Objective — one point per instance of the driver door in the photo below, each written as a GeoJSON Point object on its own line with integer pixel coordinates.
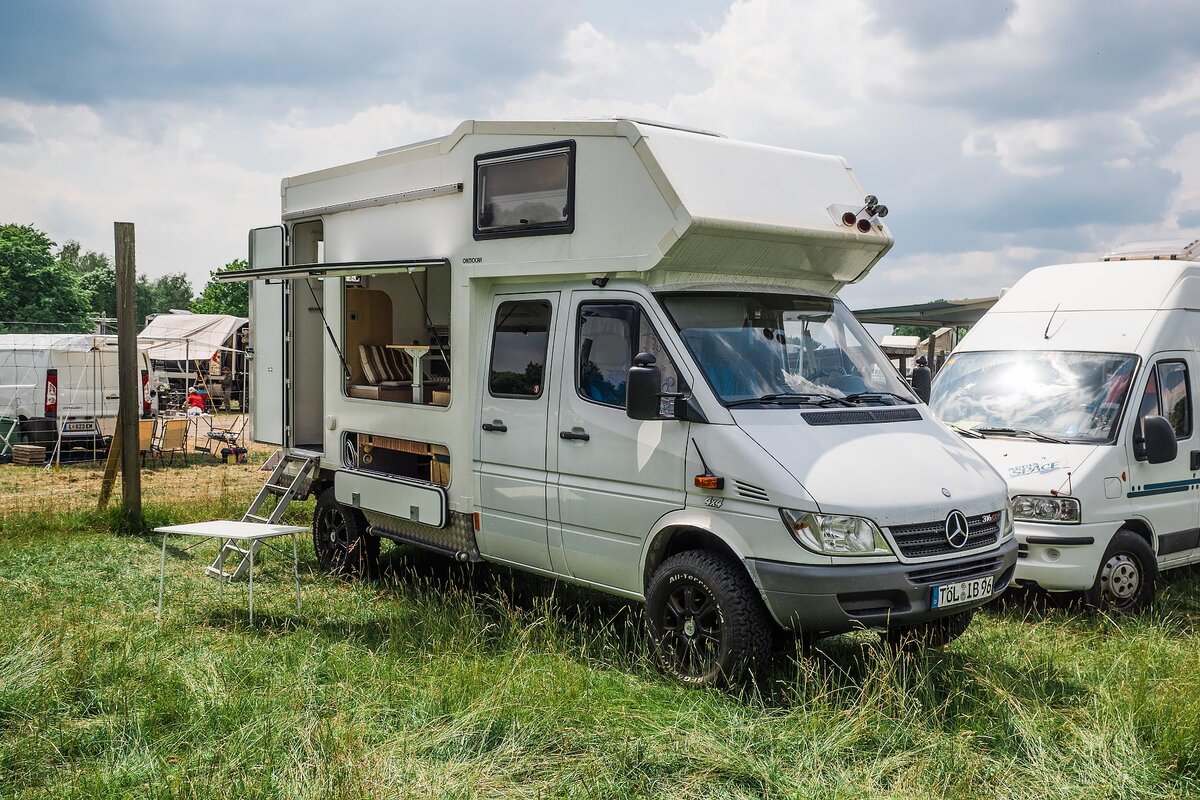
{"type": "Point", "coordinates": [1166, 495]}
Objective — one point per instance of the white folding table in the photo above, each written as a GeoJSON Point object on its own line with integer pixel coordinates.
{"type": "Point", "coordinates": [226, 530]}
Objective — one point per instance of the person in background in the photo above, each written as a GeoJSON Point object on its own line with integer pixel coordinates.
{"type": "Point", "coordinates": [195, 402]}
{"type": "Point", "coordinates": [922, 379]}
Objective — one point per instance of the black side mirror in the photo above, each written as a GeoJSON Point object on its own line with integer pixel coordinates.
{"type": "Point", "coordinates": [643, 387]}
{"type": "Point", "coordinates": [1155, 440]}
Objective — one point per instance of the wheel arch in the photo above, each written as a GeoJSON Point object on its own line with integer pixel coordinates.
{"type": "Point", "coordinates": [1141, 528]}
{"type": "Point", "coordinates": [685, 530]}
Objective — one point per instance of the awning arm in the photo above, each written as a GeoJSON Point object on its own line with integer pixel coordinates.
{"type": "Point", "coordinates": [332, 269]}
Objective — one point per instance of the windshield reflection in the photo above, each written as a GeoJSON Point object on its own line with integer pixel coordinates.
{"type": "Point", "coordinates": [763, 346]}
{"type": "Point", "coordinates": [1065, 395]}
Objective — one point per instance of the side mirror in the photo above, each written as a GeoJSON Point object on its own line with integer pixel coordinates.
{"type": "Point", "coordinates": [1155, 440]}
{"type": "Point", "coordinates": [643, 387]}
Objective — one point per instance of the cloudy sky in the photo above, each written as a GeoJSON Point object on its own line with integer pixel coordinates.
{"type": "Point", "coordinates": [1002, 135]}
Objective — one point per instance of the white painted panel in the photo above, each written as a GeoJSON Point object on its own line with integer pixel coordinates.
{"type": "Point", "coordinates": [410, 501]}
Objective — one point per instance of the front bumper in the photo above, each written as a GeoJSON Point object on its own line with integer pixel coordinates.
{"type": "Point", "coordinates": [833, 599]}
{"type": "Point", "coordinates": [1062, 558]}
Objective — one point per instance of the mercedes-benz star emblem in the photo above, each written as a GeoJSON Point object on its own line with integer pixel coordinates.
{"type": "Point", "coordinates": [957, 531]}
{"type": "Point", "coordinates": [945, 492]}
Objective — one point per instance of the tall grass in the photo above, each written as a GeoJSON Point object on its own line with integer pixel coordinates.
{"type": "Point", "coordinates": [440, 680]}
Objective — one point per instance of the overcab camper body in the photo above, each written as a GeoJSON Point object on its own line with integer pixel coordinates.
{"type": "Point", "coordinates": [610, 352]}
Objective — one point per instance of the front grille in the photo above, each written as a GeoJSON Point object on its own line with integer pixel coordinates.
{"type": "Point", "coordinates": [929, 538]}
{"type": "Point", "coordinates": [959, 571]}
{"type": "Point", "coordinates": [750, 491]}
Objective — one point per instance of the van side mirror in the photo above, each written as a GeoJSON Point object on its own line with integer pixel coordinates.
{"type": "Point", "coordinates": [1154, 441]}
{"type": "Point", "coordinates": [643, 389]}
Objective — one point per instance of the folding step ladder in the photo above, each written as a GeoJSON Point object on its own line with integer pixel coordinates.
{"type": "Point", "coordinates": [286, 481]}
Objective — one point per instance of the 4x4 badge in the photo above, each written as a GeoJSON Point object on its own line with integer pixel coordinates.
{"type": "Point", "coordinates": [957, 531]}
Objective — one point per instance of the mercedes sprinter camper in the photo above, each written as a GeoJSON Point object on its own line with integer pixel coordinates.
{"type": "Point", "coordinates": [1077, 386]}
{"type": "Point", "coordinates": [610, 352]}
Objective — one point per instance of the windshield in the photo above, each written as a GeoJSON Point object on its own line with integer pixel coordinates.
{"type": "Point", "coordinates": [758, 345]}
{"type": "Point", "coordinates": [1064, 395]}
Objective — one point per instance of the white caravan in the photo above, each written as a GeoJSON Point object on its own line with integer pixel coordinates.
{"type": "Point", "coordinates": [63, 383]}
{"type": "Point", "coordinates": [1076, 386]}
{"type": "Point", "coordinates": [609, 352]}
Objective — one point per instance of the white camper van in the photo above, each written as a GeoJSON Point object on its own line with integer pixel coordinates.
{"type": "Point", "coordinates": [610, 352]}
{"type": "Point", "coordinates": [63, 385]}
{"type": "Point", "coordinates": [1077, 386]}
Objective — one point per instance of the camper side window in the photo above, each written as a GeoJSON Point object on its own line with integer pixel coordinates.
{"type": "Point", "coordinates": [519, 341]}
{"type": "Point", "coordinates": [1168, 394]}
{"type": "Point", "coordinates": [529, 191]}
{"type": "Point", "coordinates": [608, 336]}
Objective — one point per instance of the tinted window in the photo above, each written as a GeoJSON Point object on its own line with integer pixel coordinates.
{"type": "Point", "coordinates": [525, 192]}
{"type": "Point", "coordinates": [519, 341]}
{"type": "Point", "coordinates": [608, 336]}
{"type": "Point", "coordinates": [1174, 400]}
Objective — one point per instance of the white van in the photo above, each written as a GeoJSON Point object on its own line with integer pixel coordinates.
{"type": "Point", "coordinates": [609, 352]}
{"type": "Point", "coordinates": [63, 384]}
{"type": "Point", "coordinates": [1077, 386]}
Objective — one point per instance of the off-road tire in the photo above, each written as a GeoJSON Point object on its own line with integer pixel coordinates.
{"type": "Point", "coordinates": [340, 538]}
{"type": "Point", "coordinates": [936, 633]}
{"type": "Point", "coordinates": [708, 620]}
{"type": "Point", "coordinates": [1125, 582]}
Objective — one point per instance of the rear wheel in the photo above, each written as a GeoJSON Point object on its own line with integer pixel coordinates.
{"type": "Point", "coordinates": [340, 538]}
{"type": "Point", "coordinates": [1125, 581]}
{"type": "Point", "coordinates": [936, 633]}
{"type": "Point", "coordinates": [708, 621]}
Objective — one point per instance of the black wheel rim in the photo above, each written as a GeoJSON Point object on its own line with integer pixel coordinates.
{"type": "Point", "coordinates": [691, 630]}
{"type": "Point", "coordinates": [333, 534]}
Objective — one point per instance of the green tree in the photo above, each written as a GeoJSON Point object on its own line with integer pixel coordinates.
{"type": "Point", "coordinates": [172, 290]}
{"type": "Point", "coordinates": [35, 287]}
{"type": "Point", "coordinates": [225, 298]}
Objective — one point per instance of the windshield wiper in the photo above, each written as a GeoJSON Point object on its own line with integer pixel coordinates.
{"type": "Point", "coordinates": [1041, 437]}
{"type": "Point", "coordinates": [970, 433]}
{"type": "Point", "coordinates": [810, 398]}
{"type": "Point", "coordinates": [879, 396]}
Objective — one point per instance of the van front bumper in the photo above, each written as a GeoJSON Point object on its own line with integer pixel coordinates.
{"type": "Point", "coordinates": [1062, 558]}
{"type": "Point", "coordinates": [834, 599]}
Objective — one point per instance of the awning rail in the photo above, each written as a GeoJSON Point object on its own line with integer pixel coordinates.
{"type": "Point", "coordinates": [333, 269]}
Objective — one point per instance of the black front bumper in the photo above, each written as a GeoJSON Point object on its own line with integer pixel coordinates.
{"type": "Point", "coordinates": [824, 599]}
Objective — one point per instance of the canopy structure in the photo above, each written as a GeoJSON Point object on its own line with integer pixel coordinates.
{"type": "Point", "coordinates": [188, 337]}
{"type": "Point", "coordinates": [938, 314]}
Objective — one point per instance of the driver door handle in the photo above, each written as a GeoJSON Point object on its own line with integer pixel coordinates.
{"type": "Point", "coordinates": [496, 427]}
{"type": "Point", "coordinates": [579, 436]}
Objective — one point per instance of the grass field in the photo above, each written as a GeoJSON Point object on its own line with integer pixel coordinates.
{"type": "Point", "coordinates": [440, 681]}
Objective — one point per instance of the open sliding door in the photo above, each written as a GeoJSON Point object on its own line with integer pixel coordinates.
{"type": "Point", "coordinates": [268, 337]}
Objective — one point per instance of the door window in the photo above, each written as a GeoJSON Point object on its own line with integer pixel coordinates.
{"type": "Point", "coordinates": [608, 336]}
{"type": "Point", "coordinates": [1168, 395]}
{"type": "Point", "coordinates": [519, 341]}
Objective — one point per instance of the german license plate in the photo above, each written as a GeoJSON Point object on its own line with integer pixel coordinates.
{"type": "Point", "coordinates": [80, 426]}
{"type": "Point", "coordinates": [953, 594]}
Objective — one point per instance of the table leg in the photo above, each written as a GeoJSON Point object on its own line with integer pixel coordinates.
{"type": "Point", "coordinates": [417, 388]}
{"type": "Point", "coordinates": [162, 577]}
{"type": "Point", "coordinates": [296, 571]}
{"type": "Point", "coordinates": [251, 582]}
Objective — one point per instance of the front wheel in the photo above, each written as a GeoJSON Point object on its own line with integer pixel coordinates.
{"type": "Point", "coordinates": [1125, 582]}
{"type": "Point", "coordinates": [340, 538]}
{"type": "Point", "coordinates": [708, 621]}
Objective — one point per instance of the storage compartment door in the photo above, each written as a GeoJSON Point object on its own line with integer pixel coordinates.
{"type": "Point", "coordinates": [412, 501]}
{"type": "Point", "coordinates": [268, 338]}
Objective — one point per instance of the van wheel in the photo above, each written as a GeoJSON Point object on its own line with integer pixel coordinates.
{"type": "Point", "coordinates": [936, 633]}
{"type": "Point", "coordinates": [341, 540]}
{"type": "Point", "coordinates": [708, 621]}
{"type": "Point", "coordinates": [1125, 582]}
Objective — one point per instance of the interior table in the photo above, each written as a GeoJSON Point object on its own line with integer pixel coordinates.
{"type": "Point", "coordinates": [246, 533]}
{"type": "Point", "coordinates": [415, 352]}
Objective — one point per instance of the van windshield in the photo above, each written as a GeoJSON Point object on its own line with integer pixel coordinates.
{"type": "Point", "coordinates": [1071, 396]}
{"type": "Point", "coordinates": [774, 349]}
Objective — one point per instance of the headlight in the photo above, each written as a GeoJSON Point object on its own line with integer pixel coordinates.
{"type": "Point", "coordinates": [1006, 524]}
{"type": "Point", "coordinates": [1033, 508]}
{"type": "Point", "coordinates": [835, 534]}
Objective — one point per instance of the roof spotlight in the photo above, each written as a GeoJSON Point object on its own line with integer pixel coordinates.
{"type": "Point", "coordinates": [864, 225]}
{"type": "Point", "coordinates": [849, 218]}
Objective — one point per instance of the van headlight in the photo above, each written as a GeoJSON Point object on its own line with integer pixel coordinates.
{"type": "Point", "coordinates": [1006, 525]}
{"type": "Point", "coordinates": [835, 534]}
{"type": "Point", "coordinates": [1035, 508]}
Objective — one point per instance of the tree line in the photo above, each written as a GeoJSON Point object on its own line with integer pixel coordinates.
{"type": "Point", "coordinates": [47, 288]}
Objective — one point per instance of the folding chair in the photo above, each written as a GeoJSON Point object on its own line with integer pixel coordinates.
{"type": "Point", "coordinates": [173, 439]}
{"type": "Point", "coordinates": [229, 436]}
{"type": "Point", "coordinates": [146, 430]}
